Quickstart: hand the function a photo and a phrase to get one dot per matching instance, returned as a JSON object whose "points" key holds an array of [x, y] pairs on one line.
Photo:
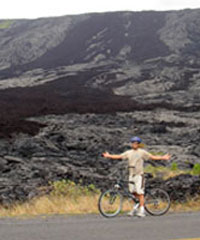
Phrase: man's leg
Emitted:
{"points": [[141, 211], [138, 192], [140, 195], [141, 199], [135, 206]]}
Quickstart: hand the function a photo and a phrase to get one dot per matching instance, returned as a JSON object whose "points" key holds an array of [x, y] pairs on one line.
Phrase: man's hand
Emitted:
{"points": [[158, 157], [111, 156], [106, 155], [166, 157]]}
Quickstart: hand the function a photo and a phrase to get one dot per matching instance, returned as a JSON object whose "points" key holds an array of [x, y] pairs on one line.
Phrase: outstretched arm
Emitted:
{"points": [[156, 157], [111, 156]]}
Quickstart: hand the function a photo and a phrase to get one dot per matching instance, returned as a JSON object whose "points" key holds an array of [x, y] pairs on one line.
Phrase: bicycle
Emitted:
{"points": [[157, 200]]}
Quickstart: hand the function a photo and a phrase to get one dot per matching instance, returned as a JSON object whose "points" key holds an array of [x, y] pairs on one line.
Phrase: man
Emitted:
{"points": [[136, 157]]}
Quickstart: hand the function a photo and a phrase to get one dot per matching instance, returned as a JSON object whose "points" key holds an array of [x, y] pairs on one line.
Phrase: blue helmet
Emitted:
{"points": [[136, 139]]}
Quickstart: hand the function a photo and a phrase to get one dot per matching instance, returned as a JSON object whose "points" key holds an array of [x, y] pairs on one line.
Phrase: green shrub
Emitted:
{"points": [[196, 169], [71, 189], [174, 166]]}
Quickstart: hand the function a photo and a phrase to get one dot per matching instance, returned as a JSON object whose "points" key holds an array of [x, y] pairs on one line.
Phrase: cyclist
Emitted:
{"points": [[136, 157]]}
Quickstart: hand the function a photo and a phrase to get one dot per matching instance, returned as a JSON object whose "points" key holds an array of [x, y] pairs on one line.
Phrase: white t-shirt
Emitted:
{"points": [[136, 160]]}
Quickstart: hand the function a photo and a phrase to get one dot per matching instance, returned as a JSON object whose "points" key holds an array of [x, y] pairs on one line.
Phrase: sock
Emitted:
{"points": [[142, 208]]}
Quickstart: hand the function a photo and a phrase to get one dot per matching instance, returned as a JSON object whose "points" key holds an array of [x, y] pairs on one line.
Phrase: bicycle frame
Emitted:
{"points": [[119, 185]]}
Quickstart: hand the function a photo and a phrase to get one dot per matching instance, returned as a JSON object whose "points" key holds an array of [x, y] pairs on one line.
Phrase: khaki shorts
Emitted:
{"points": [[138, 184]]}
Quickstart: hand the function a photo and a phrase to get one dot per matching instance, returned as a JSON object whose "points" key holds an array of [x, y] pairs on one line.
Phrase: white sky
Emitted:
{"points": [[46, 8]]}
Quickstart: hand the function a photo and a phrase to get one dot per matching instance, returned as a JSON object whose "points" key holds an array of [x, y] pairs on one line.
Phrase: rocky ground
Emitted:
{"points": [[74, 86], [70, 146]]}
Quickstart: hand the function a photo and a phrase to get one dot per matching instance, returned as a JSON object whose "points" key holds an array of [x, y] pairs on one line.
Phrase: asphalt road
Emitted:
{"points": [[95, 227]]}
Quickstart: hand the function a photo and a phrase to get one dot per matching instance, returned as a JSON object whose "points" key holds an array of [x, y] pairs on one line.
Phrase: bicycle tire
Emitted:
{"points": [[110, 203], [157, 202]]}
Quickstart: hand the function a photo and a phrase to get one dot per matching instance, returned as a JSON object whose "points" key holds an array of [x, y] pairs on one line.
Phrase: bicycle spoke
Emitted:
{"points": [[110, 203], [157, 202]]}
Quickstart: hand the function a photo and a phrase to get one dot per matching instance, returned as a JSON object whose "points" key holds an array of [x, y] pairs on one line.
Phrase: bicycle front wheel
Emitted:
{"points": [[110, 203], [157, 202]]}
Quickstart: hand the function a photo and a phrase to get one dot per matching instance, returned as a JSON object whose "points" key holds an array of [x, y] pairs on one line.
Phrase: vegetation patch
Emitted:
{"points": [[68, 198], [164, 172], [6, 24], [171, 171], [196, 169], [70, 189], [192, 204]]}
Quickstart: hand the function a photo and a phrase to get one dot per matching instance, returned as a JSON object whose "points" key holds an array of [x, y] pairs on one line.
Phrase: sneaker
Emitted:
{"points": [[132, 213], [141, 213]]}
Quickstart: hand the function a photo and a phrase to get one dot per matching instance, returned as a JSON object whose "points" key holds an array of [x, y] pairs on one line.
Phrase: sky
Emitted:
{"points": [[47, 8]]}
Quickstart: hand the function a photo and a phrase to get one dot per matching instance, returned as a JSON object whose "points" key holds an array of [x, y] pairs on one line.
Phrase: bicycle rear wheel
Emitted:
{"points": [[110, 203], [157, 201]]}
